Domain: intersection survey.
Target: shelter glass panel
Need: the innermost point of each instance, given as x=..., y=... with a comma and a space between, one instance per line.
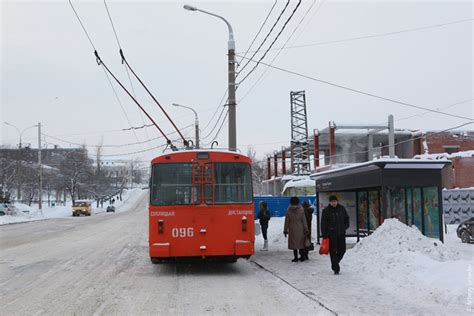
x=396, y=203
x=374, y=209
x=362, y=209
x=417, y=205
x=409, y=201
x=431, y=211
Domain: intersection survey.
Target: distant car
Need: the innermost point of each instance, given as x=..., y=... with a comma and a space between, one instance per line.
x=465, y=230
x=7, y=209
x=110, y=208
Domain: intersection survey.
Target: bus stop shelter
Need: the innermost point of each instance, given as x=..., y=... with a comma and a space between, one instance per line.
x=407, y=189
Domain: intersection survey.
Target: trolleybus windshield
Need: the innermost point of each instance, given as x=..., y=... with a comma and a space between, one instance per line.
x=171, y=184
x=232, y=184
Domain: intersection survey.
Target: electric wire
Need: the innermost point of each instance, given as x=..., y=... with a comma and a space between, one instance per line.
x=101, y=63
x=185, y=142
x=265, y=39
x=117, y=145
x=120, y=103
x=276, y=56
x=271, y=45
x=350, y=39
x=260, y=30
x=227, y=89
x=365, y=93
x=126, y=69
x=220, y=128
x=215, y=125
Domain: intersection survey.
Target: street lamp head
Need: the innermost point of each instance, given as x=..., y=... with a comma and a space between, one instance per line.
x=189, y=7
x=175, y=104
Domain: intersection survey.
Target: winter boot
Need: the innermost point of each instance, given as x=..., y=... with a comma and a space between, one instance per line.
x=265, y=245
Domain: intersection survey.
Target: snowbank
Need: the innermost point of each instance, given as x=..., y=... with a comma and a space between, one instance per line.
x=397, y=256
x=27, y=213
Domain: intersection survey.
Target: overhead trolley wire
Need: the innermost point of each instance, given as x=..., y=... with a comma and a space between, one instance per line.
x=265, y=39
x=113, y=146
x=271, y=45
x=125, y=62
x=260, y=30
x=126, y=69
x=101, y=63
x=364, y=93
x=350, y=39
x=286, y=42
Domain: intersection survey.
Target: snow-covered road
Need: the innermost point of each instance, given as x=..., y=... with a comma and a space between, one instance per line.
x=100, y=265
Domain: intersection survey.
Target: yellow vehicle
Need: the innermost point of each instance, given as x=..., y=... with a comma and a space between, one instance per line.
x=82, y=207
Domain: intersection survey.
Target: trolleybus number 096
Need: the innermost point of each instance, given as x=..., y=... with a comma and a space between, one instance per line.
x=182, y=232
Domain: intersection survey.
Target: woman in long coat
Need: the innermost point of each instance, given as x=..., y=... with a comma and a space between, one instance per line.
x=296, y=229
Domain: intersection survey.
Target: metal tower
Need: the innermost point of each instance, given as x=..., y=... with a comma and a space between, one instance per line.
x=299, y=134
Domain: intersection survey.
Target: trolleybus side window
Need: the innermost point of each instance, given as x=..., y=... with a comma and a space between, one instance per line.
x=232, y=183
x=172, y=184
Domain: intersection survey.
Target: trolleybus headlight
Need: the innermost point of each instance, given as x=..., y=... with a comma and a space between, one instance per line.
x=244, y=223
x=161, y=224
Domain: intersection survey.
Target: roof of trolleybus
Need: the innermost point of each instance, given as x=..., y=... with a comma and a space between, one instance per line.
x=192, y=154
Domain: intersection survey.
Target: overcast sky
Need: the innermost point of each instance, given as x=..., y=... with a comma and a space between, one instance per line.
x=49, y=73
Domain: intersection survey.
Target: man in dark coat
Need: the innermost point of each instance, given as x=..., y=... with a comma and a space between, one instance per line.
x=334, y=222
x=264, y=218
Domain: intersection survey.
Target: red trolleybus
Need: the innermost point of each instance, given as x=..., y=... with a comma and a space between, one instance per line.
x=201, y=206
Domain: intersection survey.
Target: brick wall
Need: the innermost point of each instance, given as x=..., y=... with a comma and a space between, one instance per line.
x=437, y=142
x=463, y=172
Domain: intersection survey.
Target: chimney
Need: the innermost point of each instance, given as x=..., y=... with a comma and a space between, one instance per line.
x=316, y=148
x=275, y=162
x=332, y=143
x=283, y=161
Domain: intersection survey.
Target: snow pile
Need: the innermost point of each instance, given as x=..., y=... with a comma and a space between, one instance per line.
x=394, y=238
x=399, y=257
x=438, y=156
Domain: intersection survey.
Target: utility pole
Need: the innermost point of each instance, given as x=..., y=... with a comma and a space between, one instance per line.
x=232, y=101
x=40, y=171
x=231, y=72
x=391, y=137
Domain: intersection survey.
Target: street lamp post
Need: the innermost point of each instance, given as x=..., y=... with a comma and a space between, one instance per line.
x=196, y=122
x=231, y=71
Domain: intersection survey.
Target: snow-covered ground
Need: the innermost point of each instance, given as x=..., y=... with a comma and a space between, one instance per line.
x=396, y=270
x=27, y=213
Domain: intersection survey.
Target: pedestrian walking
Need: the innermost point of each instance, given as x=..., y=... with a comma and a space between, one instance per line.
x=296, y=229
x=334, y=222
x=308, y=213
x=264, y=218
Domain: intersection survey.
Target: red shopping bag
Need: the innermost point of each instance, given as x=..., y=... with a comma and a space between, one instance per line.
x=324, y=249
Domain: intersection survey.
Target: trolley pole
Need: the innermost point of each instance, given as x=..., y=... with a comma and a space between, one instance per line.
x=40, y=171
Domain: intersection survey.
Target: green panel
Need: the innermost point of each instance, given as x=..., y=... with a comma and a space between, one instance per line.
x=409, y=206
x=431, y=211
x=417, y=205
x=374, y=209
x=362, y=209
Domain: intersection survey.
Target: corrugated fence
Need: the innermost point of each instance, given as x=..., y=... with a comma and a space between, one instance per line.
x=278, y=204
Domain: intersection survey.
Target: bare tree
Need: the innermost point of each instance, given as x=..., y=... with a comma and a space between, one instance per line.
x=258, y=171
